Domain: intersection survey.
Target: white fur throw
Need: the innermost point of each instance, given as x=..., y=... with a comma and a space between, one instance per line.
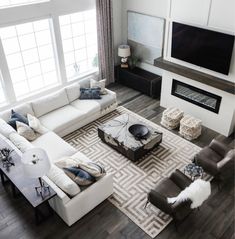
x=198, y=191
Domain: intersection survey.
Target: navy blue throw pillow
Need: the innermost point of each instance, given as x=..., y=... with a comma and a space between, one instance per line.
x=17, y=117
x=90, y=93
x=79, y=176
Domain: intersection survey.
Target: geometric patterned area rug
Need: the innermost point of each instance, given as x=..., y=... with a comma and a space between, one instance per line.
x=132, y=181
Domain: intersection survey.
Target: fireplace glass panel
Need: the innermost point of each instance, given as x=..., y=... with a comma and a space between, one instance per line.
x=196, y=96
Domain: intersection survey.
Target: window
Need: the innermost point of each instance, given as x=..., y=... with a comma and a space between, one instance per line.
x=13, y=3
x=2, y=95
x=79, y=37
x=30, y=56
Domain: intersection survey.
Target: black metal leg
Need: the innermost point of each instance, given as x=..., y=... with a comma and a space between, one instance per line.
x=146, y=204
x=37, y=218
x=51, y=211
x=41, y=216
x=13, y=188
x=2, y=178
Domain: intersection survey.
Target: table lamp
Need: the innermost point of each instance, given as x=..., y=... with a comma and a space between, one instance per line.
x=35, y=165
x=124, y=51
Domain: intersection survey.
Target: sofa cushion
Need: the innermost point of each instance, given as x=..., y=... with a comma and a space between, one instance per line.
x=58, y=120
x=50, y=102
x=20, y=142
x=6, y=129
x=89, y=93
x=84, y=83
x=66, y=162
x=79, y=176
x=82, y=162
x=73, y=92
x=15, y=116
x=92, y=168
x=23, y=109
x=36, y=125
x=25, y=131
x=99, y=84
x=58, y=177
x=87, y=106
x=55, y=146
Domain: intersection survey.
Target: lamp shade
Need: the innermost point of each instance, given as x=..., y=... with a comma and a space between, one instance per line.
x=35, y=163
x=124, y=51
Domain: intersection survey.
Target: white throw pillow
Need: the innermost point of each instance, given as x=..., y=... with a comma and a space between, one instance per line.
x=20, y=142
x=25, y=131
x=58, y=177
x=73, y=92
x=66, y=163
x=100, y=84
x=36, y=125
x=6, y=129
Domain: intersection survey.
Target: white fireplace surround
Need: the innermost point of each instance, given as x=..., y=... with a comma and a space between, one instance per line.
x=223, y=122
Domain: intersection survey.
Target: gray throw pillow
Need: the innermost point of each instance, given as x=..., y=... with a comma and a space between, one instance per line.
x=89, y=93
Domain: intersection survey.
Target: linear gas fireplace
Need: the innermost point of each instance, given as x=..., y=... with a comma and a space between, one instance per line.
x=196, y=96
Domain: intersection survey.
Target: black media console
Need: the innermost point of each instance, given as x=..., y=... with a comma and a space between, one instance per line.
x=140, y=80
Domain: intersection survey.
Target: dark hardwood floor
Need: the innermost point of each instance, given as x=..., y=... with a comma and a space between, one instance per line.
x=215, y=220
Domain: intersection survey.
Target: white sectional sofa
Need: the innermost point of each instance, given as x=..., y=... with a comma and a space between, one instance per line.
x=62, y=113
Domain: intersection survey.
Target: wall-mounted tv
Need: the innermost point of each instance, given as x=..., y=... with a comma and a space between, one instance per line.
x=205, y=48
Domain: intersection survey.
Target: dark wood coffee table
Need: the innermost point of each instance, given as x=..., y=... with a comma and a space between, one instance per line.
x=25, y=186
x=116, y=134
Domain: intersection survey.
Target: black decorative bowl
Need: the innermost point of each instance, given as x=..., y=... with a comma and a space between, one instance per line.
x=139, y=131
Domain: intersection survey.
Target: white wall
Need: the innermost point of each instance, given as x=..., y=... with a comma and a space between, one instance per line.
x=210, y=14
x=213, y=14
x=157, y=8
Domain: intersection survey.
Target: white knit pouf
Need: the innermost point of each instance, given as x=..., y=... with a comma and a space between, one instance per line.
x=171, y=118
x=190, y=127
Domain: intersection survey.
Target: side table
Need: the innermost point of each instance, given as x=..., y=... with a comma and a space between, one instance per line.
x=25, y=186
x=194, y=171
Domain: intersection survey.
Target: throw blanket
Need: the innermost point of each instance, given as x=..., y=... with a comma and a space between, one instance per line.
x=197, y=192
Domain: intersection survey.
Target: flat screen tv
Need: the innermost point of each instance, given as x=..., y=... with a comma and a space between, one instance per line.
x=205, y=48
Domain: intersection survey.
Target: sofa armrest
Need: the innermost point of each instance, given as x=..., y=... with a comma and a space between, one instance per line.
x=159, y=201
x=180, y=179
x=63, y=196
x=218, y=147
x=111, y=92
x=226, y=165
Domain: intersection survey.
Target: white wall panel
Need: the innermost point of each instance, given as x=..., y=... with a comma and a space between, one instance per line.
x=222, y=15
x=223, y=122
x=190, y=11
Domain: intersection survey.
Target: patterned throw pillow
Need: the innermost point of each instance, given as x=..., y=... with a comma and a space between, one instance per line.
x=79, y=176
x=17, y=117
x=89, y=93
x=93, y=169
x=25, y=131
x=99, y=84
x=66, y=163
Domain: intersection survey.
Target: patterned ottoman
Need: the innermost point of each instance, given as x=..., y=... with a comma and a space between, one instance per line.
x=190, y=127
x=171, y=118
